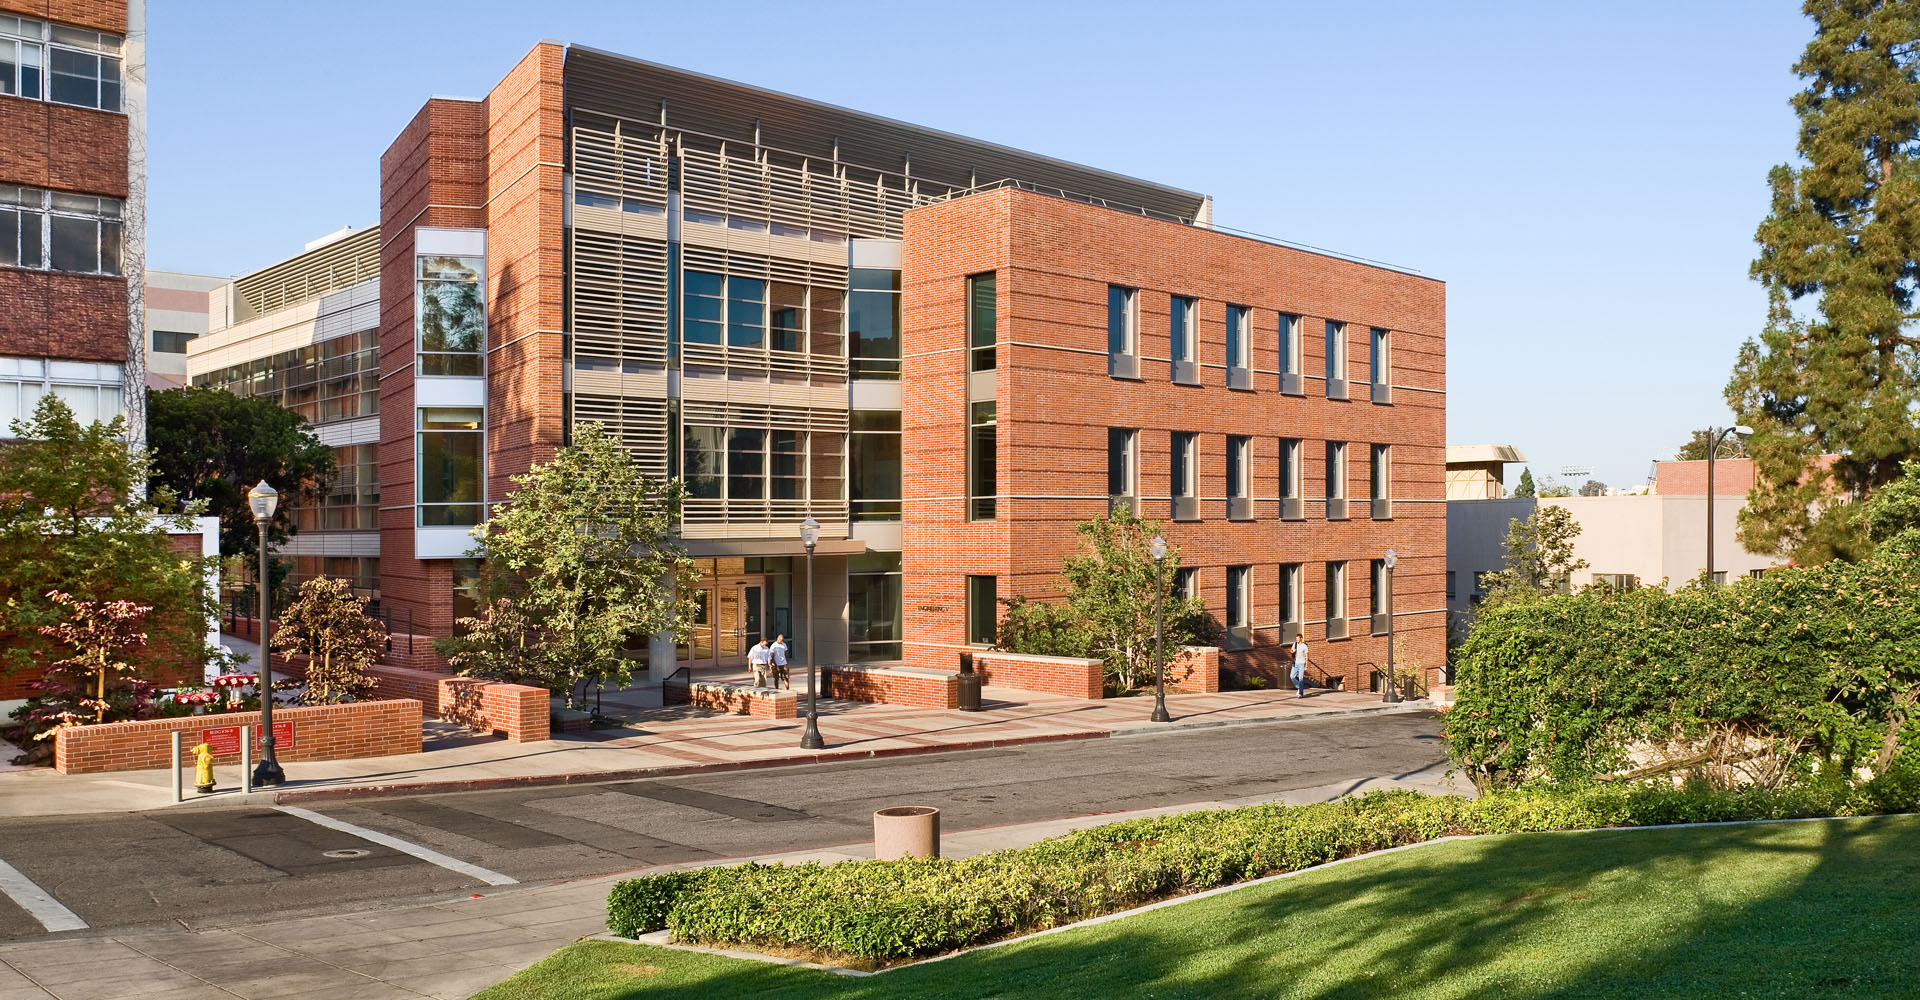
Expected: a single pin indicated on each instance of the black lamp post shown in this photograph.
(264, 499)
(1714, 438)
(810, 740)
(1392, 693)
(1158, 547)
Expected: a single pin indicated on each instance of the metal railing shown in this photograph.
(685, 674)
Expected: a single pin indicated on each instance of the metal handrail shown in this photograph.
(685, 673)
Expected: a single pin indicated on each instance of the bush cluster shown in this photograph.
(871, 912)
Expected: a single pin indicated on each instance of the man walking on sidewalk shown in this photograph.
(778, 652)
(757, 658)
(1299, 672)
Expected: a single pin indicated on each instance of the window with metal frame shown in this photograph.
(1239, 597)
(1239, 336)
(1186, 367)
(983, 596)
(1123, 463)
(1292, 508)
(450, 466)
(1123, 332)
(982, 461)
(874, 453)
(59, 231)
(92, 390)
(1289, 329)
(1336, 600)
(1239, 477)
(1336, 358)
(60, 63)
(450, 313)
(982, 321)
(873, 323)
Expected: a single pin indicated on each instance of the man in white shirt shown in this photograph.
(757, 659)
(778, 654)
(1299, 672)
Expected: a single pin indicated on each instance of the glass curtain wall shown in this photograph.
(874, 437)
(873, 607)
(873, 323)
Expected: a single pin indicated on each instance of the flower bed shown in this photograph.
(868, 913)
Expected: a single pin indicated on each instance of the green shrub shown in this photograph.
(881, 911)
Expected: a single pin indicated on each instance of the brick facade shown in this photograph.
(736, 699)
(1732, 477)
(322, 732)
(1062, 675)
(888, 685)
(1055, 402)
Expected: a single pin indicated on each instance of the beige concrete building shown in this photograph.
(1478, 471)
(176, 314)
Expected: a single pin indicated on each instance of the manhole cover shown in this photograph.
(349, 852)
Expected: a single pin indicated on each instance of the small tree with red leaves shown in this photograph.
(98, 683)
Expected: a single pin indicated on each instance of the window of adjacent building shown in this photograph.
(746, 464)
(1617, 581)
(1123, 461)
(451, 465)
(745, 472)
(171, 342)
(1239, 333)
(1336, 352)
(351, 501)
(983, 597)
(91, 390)
(1379, 472)
(1719, 578)
(1336, 599)
(1336, 470)
(1180, 329)
(1290, 593)
(1377, 358)
(84, 65)
(746, 312)
(335, 379)
(873, 323)
(1289, 344)
(1186, 583)
(1182, 465)
(752, 314)
(982, 321)
(450, 311)
(983, 454)
(1449, 585)
(1289, 468)
(467, 596)
(1377, 593)
(1238, 597)
(55, 230)
(874, 437)
(873, 607)
(1123, 321)
(1239, 460)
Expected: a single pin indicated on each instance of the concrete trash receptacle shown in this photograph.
(906, 832)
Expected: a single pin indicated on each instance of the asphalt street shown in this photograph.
(204, 868)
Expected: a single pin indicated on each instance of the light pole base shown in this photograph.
(268, 772)
(1160, 713)
(810, 740)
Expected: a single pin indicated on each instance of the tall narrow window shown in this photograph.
(983, 596)
(1239, 474)
(450, 465)
(1377, 363)
(703, 316)
(1377, 596)
(1336, 352)
(746, 312)
(1290, 382)
(874, 437)
(746, 470)
(1186, 367)
(1238, 598)
(1336, 600)
(1289, 601)
(1186, 505)
(1123, 465)
(1239, 333)
(1291, 507)
(982, 456)
(450, 311)
(1380, 482)
(787, 317)
(982, 331)
(703, 464)
(1123, 332)
(1336, 481)
(1186, 583)
(873, 323)
(873, 607)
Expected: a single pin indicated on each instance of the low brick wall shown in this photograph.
(1195, 668)
(516, 711)
(1062, 675)
(320, 732)
(736, 699)
(921, 687)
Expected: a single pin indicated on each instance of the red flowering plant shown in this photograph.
(96, 683)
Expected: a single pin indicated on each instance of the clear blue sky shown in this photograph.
(1586, 178)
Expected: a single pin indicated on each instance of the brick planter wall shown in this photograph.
(916, 686)
(321, 732)
(1195, 668)
(1062, 675)
(516, 711)
(736, 699)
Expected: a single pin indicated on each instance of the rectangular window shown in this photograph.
(746, 466)
(1290, 500)
(1290, 594)
(873, 607)
(983, 454)
(85, 64)
(787, 317)
(1617, 581)
(1237, 597)
(703, 307)
(1123, 461)
(1449, 585)
(1377, 361)
(1239, 477)
(83, 79)
(170, 341)
(1290, 354)
(1336, 481)
(983, 595)
(874, 436)
(1336, 356)
(1336, 600)
(55, 230)
(450, 313)
(873, 323)
(1183, 476)
(1180, 330)
(746, 312)
(1186, 583)
(1380, 481)
(1238, 336)
(1123, 332)
(703, 460)
(1377, 595)
(451, 465)
(982, 321)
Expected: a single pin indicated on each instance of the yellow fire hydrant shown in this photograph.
(203, 768)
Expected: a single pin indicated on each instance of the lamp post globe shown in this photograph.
(264, 500)
(810, 738)
(1158, 549)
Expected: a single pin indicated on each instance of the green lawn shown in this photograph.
(1825, 908)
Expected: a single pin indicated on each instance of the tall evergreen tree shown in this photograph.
(1844, 228)
(1523, 488)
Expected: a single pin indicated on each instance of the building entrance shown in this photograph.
(733, 615)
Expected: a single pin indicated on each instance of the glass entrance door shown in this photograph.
(730, 620)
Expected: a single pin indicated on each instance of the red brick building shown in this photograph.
(770, 298)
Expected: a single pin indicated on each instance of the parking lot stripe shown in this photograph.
(426, 854)
(37, 902)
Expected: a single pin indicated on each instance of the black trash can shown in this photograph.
(969, 685)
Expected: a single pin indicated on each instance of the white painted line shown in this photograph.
(428, 855)
(35, 901)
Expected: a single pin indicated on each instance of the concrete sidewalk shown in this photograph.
(446, 950)
(682, 740)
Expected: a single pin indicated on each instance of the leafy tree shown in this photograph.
(1695, 450)
(1524, 488)
(1593, 488)
(1843, 227)
(328, 623)
(1553, 487)
(211, 445)
(72, 521)
(1539, 556)
(100, 633)
(576, 563)
(1108, 603)
(97, 683)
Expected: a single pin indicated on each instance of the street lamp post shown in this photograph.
(810, 740)
(1159, 549)
(1392, 694)
(264, 499)
(1714, 437)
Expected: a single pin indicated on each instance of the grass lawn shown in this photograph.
(1825, 908)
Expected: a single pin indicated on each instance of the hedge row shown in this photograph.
(867, 912)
